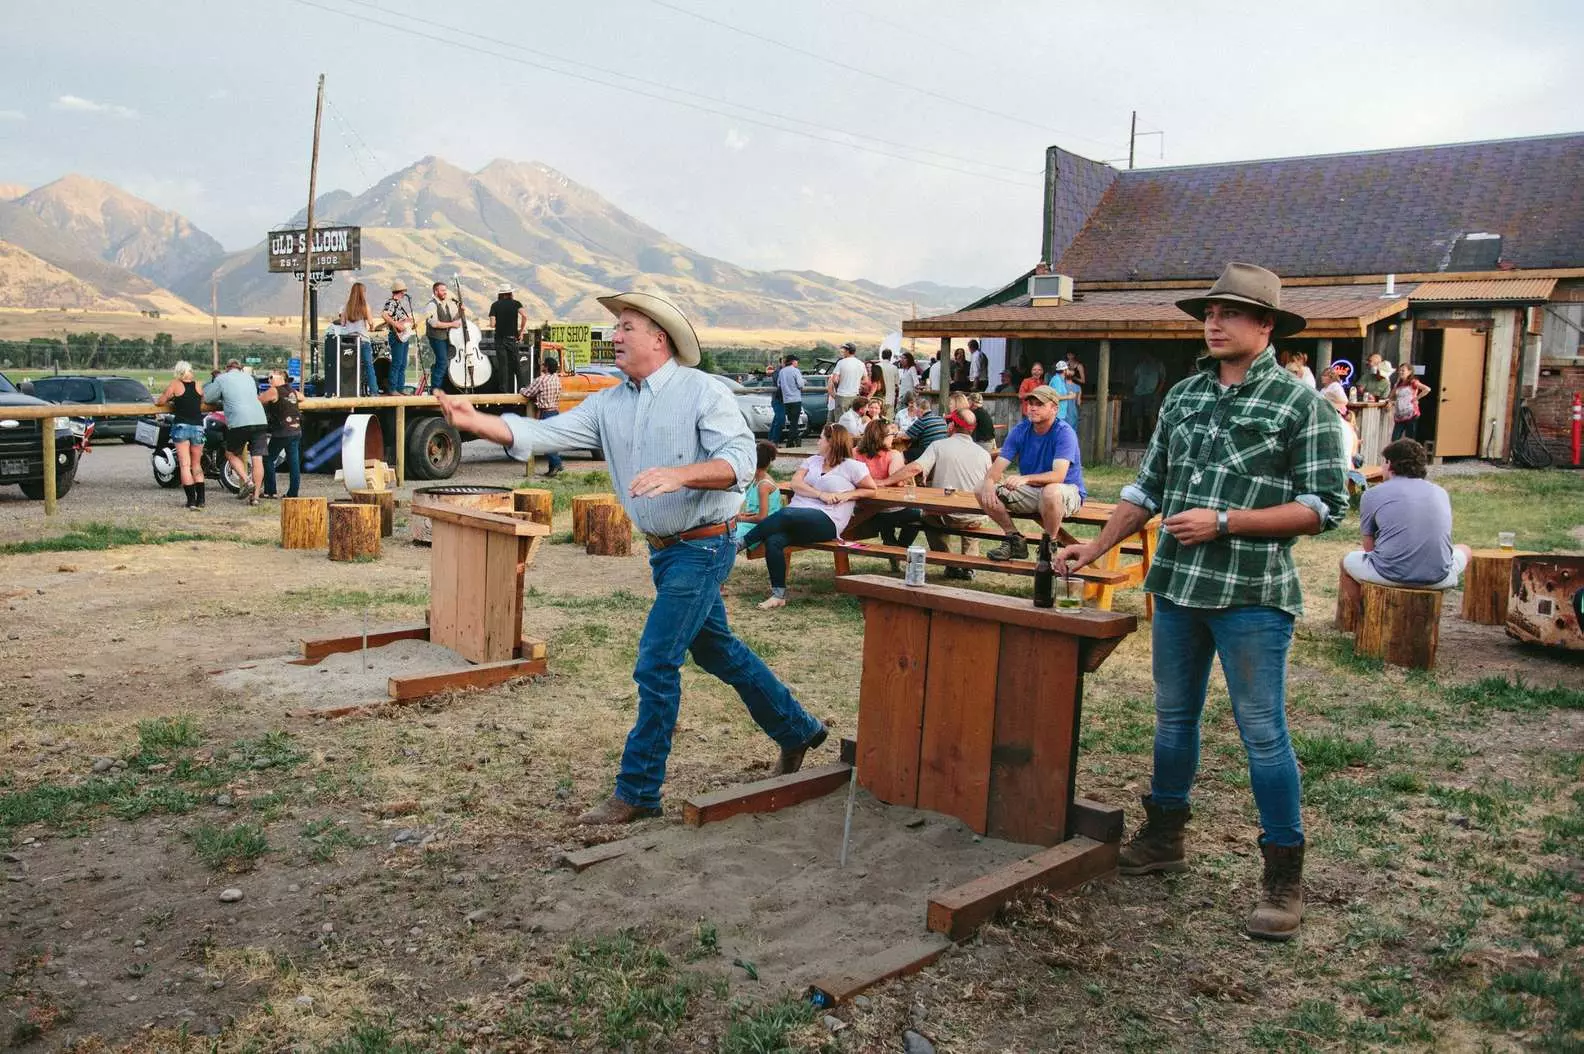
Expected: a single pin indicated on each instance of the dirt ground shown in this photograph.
(407, 864)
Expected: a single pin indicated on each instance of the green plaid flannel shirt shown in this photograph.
(1266, 442)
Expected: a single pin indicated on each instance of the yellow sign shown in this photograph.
(578, 340)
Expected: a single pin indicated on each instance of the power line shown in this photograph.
(589, 78)
(817, 57)
(347, 133)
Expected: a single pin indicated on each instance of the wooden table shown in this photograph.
(969, 703)
(935, 501)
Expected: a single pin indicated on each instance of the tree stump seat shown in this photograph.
(385, 501)
(538, 504)
(609, 531)
(304, 523)
(354, 531)
(1399, 625)
(581, 504)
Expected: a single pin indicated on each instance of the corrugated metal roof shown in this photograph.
(1521, 289)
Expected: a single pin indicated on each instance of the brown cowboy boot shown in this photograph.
(1280, 909)
(791, 758)
(616, 811)
(1158, 845)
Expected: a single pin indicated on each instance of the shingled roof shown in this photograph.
(1377, 212)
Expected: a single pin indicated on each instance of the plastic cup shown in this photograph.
(1506, 539)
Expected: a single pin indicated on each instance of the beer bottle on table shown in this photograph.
(1044, 576)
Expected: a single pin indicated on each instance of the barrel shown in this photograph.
(459, 495)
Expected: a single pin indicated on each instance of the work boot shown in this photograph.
(1014, 547)
(617, 811)
(1158, 845)
(191, 490)
(1280, 908)
(792, 757)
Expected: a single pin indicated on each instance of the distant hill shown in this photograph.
(25, 279)
(10, 191)
(557, 243)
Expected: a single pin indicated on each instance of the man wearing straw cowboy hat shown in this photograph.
(680, 457)
(1245, 458)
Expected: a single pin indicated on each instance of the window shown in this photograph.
(65, 390)
(126, 390)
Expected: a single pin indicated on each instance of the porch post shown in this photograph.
(945, 375)
(1322, 355)
(1102, 433)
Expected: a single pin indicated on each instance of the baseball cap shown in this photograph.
(1061, 366)
(962, 420)
(1044, 393)
(849, 346)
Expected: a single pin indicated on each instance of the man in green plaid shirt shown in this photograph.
(1244, 459)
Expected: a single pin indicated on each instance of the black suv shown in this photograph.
(21, 446)
(72, 388)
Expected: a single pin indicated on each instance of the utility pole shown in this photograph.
(214, 315)
(313, 185)
(1132, 137)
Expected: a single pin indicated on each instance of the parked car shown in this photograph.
(758, 413)
(21, 445)
(72, 388)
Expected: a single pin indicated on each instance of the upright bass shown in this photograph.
(469, 367)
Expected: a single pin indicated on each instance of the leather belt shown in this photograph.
(692, 534)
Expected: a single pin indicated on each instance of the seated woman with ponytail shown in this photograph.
(826, 489)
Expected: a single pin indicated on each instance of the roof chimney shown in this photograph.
(1391, 288)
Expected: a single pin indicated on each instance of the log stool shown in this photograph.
(304, 523)
(354, 531)
(1487, 586)
(1398, 625)
(581, 503)
(386, 502)
(536, 503)
(609, 531)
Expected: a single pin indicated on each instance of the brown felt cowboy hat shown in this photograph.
(664, 314)
(1243, 283)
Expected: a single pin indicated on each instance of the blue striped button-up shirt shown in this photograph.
(677, 416)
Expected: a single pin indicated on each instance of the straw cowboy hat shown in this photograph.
(1243, 283)
(398, 286)
(664, 314)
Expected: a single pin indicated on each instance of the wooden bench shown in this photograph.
(1106, 581)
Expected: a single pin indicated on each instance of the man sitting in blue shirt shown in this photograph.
(1049, 482)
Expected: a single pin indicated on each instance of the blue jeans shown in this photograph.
(689, 616)
(1252, 643)
(293, 447)
(370, 378)
(441, 346)
(552, 461)
(777, 420)
(788, 527)
(398, 366)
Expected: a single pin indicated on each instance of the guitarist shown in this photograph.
(441, 316)
(510, 319)
(398, 316)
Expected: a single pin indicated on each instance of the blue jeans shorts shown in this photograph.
(181, 433)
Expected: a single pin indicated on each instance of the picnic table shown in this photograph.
(1104, 577)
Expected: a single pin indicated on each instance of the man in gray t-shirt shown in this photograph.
(1406, 523)
(247, 426)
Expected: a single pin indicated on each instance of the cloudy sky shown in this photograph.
(891, 141)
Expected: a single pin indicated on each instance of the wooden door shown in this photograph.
(1462, 385)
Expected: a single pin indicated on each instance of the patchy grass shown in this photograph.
(330, 599)
(619, 991)
(1541, 508)
(232, 849)
(568, 484)
(769, 1029)
(93, 537)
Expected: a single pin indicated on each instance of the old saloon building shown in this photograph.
(1466, 260)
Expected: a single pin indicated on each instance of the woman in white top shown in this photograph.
(823, 500)
(907, 377)
(355, 319)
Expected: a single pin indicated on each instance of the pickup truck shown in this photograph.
(21, 445)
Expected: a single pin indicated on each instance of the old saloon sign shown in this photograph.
(334, 249)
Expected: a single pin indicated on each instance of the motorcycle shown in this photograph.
(215, 464)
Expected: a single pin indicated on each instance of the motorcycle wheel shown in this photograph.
(228, 477)
(166, 472)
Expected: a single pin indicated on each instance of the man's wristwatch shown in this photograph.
(1222, 527)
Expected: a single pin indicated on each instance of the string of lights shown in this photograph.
(651, 89)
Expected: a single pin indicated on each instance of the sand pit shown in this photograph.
(771, 885)
(341, 679)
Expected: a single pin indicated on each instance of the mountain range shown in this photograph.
(83, 243)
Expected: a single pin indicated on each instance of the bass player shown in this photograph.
(440, 317)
